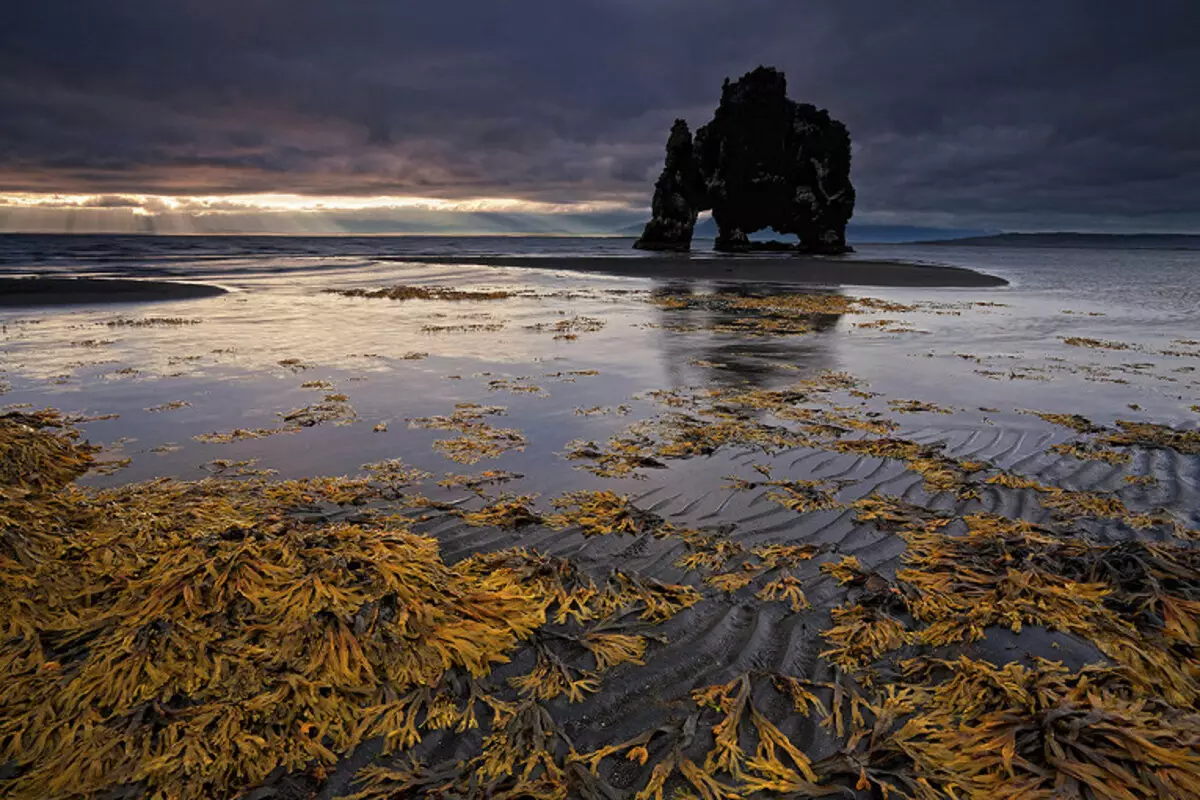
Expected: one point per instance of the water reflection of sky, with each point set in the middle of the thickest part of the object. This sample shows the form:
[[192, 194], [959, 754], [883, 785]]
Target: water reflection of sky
[[226, 365]]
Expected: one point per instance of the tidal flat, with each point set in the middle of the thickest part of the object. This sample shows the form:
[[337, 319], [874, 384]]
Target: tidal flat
[[408, 529]]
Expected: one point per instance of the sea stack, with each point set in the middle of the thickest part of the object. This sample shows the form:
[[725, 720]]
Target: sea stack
[[764, 161]]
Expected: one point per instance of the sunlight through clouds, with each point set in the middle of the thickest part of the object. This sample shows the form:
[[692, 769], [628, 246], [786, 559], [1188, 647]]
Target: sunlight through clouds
[[296, 213]]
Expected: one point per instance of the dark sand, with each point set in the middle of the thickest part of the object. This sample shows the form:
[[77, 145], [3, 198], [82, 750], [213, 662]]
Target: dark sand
[[754, 269], [15, 292]]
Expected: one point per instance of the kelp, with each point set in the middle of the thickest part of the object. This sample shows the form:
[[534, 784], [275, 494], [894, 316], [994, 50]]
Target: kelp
[[785, 588], [39, 452], [1071, 505], [860, 634], [242, 434], [406, 292], [592, 411], [1076, 422], [479, 440], [394, 472], [476, 483], [601, 513], [150, 322], [1042, 732], [1089, 451], [569, 329], [224, 467], [334, 408], [514, 512], [1094, 344], [917, 406], [197, 639], [472, 327], [224, 653], [804, 496], [786, 303], [1149, 435], [174, 405], [516, 386], [1135, 601]]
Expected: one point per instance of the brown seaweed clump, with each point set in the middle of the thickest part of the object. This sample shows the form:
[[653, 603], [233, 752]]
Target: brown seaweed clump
[[405, 292], [601, 514], [196, 640], [39, 452], [1153, 436], [477, 439]]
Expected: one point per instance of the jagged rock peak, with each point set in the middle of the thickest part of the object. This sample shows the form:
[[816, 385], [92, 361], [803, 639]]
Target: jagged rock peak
[[763, 161], [676, 195]]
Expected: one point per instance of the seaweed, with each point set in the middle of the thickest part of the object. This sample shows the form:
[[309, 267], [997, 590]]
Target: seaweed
[[478, 440], [475, 327], [475, 483], [785, 588], [804, 496], [150, 322], [242, 434], [916, 406], [601, 513], [1095, 344], [1150, 435], [39, 452], [395, 473], [174, 405], [1076, 422], [511, 512], [405, 292], [196, 639], [333, 408], [1089, 451], [516, 386]]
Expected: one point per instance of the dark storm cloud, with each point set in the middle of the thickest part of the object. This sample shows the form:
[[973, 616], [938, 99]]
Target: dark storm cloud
[[1018, 115]]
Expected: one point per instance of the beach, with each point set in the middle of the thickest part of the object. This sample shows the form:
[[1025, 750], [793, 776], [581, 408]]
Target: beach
[[43, 291], [669, 490], [795, 269]]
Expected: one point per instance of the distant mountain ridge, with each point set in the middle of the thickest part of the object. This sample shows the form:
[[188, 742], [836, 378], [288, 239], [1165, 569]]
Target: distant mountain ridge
[[1131, 241]]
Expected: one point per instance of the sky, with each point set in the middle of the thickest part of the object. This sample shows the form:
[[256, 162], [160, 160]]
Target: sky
[[365, 116]]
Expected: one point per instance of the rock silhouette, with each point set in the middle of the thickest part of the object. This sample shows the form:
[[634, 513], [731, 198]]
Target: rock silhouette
[[764, 161]]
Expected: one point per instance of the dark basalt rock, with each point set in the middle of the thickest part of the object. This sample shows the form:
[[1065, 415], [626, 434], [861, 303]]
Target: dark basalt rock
[[676, 196], [763, 161]]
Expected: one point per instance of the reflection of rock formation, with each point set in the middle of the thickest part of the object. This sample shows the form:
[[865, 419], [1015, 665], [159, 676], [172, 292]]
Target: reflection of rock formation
[[695, 355], [763, 161]]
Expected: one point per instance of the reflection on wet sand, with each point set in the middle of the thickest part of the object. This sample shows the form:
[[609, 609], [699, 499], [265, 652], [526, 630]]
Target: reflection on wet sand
[[694, 355]]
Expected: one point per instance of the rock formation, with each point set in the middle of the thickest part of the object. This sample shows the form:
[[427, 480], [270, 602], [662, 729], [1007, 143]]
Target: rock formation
[[763, 161], [676, 196]]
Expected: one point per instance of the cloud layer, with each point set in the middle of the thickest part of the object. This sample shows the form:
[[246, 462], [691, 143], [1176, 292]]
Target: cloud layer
[[1022, 115]]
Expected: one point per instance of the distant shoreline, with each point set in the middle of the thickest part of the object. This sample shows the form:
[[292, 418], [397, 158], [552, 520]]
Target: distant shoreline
[[791, 269], [39, 291], [1104, 241]]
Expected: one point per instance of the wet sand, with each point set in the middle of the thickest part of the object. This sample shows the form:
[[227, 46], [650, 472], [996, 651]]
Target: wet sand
[[290, 342], [755, 269], [25, 292]]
